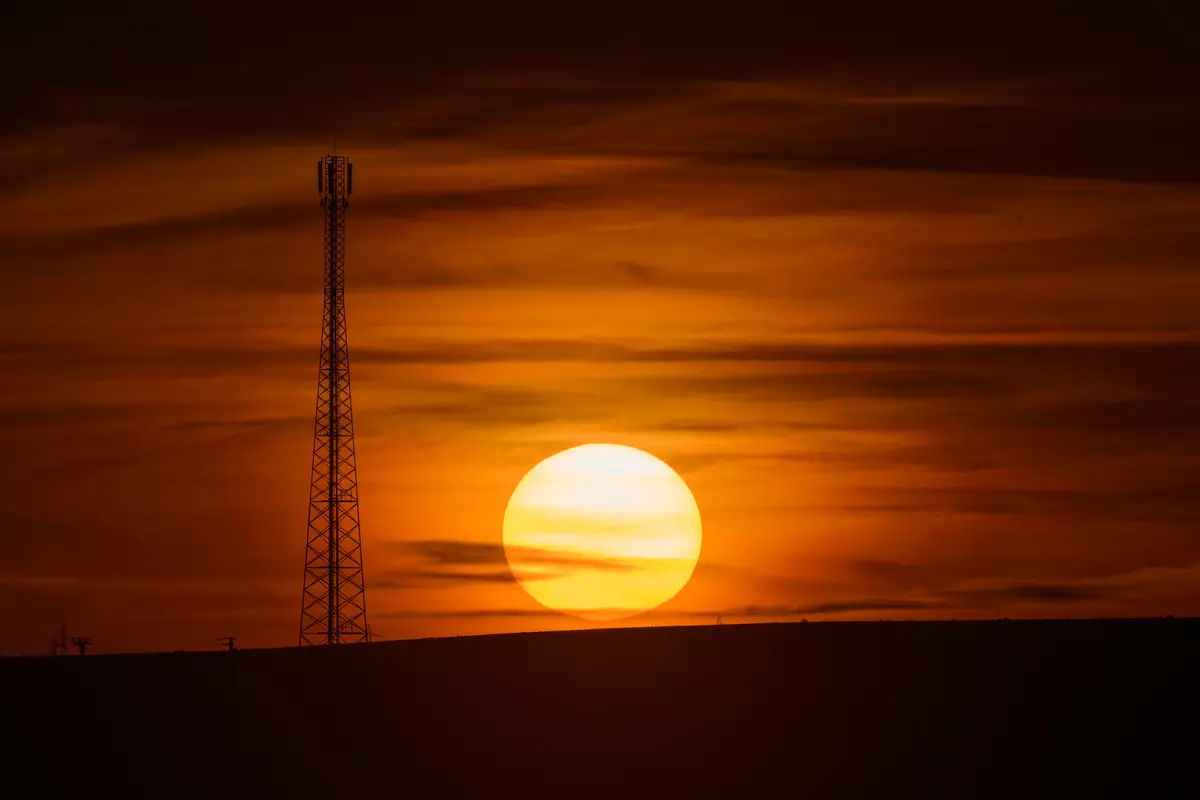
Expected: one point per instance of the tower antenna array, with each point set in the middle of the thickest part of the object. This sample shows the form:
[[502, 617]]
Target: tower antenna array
[[334, 607]]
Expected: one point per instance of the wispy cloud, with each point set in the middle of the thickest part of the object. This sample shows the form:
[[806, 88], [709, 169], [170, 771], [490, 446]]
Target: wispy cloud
[[871, 604], [448, 561], [1047, 593]]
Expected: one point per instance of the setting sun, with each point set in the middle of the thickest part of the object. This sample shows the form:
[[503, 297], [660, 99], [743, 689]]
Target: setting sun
[[602, 531]]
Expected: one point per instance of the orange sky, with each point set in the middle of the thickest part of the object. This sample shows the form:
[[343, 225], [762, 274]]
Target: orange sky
[[919, 332]]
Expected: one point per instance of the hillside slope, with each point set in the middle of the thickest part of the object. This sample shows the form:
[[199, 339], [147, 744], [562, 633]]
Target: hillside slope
[[972, 709]]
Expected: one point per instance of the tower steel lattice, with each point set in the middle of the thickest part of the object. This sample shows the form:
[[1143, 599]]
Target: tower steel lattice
[[334, 607]]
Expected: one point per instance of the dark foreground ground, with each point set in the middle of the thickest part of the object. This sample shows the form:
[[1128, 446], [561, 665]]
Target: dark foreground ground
[[963, 709]]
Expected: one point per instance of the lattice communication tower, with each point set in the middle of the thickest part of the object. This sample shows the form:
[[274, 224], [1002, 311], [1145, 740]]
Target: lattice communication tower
[[334, 608]]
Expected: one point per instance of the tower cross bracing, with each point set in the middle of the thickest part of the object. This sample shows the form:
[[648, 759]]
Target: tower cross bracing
[[334, 607]]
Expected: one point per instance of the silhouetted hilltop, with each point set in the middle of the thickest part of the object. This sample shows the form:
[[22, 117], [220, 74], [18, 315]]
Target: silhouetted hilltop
[[901, 709]]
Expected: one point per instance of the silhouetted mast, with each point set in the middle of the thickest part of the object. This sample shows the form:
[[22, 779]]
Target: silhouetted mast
[[334, 607]]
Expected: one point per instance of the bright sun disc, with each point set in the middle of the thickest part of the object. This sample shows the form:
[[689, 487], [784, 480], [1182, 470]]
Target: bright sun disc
[[602, 531]]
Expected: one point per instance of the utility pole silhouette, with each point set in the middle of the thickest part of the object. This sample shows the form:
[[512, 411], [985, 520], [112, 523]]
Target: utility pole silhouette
[[230, 642], [334, 605], [82, 642], [60, 642]]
